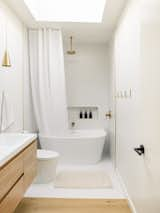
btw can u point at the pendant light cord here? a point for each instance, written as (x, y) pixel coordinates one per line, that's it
(71, 42)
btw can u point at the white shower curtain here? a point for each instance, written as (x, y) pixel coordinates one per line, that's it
(48, 81)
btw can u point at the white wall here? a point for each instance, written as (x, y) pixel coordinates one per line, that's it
(87, 81)
(15, 81)
(136, 53)
(150, 87)
(127, 63)
(11, 79)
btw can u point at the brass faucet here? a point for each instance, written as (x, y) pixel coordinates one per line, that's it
(109, 114)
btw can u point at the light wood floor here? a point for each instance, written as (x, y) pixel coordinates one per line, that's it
(49, 205)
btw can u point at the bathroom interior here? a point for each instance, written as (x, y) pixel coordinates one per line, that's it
(79, 106)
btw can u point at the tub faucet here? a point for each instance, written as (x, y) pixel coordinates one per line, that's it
(73, 124)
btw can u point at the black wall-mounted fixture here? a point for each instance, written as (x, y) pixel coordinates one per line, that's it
(140, 150)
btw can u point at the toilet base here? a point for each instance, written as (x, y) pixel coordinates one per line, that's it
(46, 168)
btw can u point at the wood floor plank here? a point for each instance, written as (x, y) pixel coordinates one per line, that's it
(49, 205)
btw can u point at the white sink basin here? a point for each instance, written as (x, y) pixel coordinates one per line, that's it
(13, 139)
(12, 143)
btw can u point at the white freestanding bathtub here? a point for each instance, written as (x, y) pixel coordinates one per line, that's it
(78, 146)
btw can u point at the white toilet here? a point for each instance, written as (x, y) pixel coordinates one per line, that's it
(47, 164)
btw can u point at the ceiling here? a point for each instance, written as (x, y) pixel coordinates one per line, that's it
(83, 32)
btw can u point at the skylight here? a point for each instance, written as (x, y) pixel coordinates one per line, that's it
(89, 11)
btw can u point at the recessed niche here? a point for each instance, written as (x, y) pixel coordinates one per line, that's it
(83, 112)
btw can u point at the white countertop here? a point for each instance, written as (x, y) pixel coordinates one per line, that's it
(12, 143)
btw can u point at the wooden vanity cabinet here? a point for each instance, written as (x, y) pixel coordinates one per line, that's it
(12, 198)
(16, 176)
(30, 165)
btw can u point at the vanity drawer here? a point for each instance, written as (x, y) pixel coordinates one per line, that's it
(9, 174)
(12, 199)
(30, 164)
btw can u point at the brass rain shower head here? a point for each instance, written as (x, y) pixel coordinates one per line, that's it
(71, 51)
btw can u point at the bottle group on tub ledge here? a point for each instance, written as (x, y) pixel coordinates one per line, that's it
(86, 114)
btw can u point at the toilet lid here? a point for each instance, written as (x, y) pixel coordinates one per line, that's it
(46, 154)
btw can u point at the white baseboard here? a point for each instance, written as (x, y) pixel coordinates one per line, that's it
(124, 188)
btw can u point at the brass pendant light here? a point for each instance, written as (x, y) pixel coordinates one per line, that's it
(71, 51)
(6, 59)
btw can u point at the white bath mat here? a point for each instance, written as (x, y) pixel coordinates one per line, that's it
(83, 179)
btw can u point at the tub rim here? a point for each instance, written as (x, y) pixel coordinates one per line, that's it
(101, 134)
